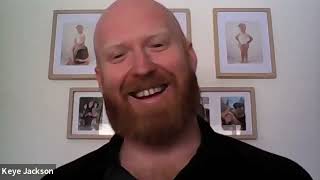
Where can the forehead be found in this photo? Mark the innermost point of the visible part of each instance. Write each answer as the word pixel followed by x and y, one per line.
pixel 132 23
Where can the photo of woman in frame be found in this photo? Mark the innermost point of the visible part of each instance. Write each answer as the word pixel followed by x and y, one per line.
pixel 80 53
pixel 90 113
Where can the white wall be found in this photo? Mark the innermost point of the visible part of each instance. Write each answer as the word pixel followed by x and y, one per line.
pixel 33 109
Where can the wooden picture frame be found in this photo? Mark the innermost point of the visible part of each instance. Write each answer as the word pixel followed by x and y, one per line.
pixel 87 117
pixel 183 17
pixel 230 111
pixel 69 61
pixel 243 40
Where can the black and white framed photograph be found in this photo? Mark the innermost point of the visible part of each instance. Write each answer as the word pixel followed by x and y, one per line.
pixel 87 116
pixel 230 111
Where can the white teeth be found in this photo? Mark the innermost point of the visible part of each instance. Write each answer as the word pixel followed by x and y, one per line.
pixel 148 92
pixel 151 91
pixel 139 94
pixel 157 89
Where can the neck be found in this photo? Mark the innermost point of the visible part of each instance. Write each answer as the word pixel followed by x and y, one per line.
pixel 165 161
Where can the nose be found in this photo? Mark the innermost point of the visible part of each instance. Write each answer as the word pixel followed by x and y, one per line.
pixel 142 63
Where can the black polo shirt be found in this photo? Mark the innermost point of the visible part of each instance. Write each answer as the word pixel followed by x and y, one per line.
pixel 218 157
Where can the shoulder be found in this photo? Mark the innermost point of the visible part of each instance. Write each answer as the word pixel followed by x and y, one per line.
pixel 91 165
pixel 258 160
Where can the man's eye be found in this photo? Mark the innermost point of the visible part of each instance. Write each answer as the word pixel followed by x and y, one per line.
pixel 117 56
pixel 157 45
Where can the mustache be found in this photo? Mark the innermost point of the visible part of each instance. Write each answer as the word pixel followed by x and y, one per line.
pixel 137 83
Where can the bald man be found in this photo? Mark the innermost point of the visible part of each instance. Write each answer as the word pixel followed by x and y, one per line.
pixel 146 71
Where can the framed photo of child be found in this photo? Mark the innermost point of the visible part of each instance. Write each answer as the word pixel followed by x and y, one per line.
pixel 230 111
pixel 72 54
pixel 244 43
pixel 87 118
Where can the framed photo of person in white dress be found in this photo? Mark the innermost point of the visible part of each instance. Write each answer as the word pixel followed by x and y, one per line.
pixel 244 43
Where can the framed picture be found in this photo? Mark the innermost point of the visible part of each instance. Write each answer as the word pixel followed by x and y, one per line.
pixel 244 43
pixel 87 117
pixel 184 18
pixel 72 54
pixel 230 110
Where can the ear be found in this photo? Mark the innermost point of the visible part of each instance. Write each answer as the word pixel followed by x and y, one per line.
pixel 98 76
pixel 192 55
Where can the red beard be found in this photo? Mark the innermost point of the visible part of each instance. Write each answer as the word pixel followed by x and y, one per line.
pixel 154 125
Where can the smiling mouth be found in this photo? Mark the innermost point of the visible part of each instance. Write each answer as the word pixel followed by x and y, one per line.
pixel 147 93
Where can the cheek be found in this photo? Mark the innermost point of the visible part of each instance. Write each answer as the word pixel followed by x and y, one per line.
pixel 112 78
pixel 173 60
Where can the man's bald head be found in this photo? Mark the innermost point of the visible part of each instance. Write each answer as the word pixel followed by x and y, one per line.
pixel 128 15
pixel 146 70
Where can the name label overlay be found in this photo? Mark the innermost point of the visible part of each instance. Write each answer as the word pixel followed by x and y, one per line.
pixel 25 171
